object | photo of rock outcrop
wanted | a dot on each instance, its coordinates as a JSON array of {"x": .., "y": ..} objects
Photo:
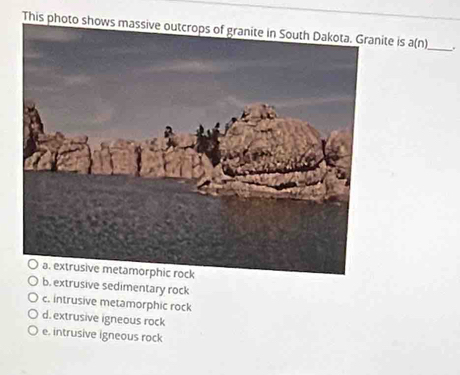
[{"x": 223, "y": 164}]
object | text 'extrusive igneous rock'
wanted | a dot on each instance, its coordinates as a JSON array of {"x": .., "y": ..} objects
[{"x": 259, "y": 155}]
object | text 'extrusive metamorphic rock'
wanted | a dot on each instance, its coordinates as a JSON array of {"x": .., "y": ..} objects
[{"x": 260, "y": 155}]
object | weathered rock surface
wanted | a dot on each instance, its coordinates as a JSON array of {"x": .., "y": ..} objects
[
  {"x": 102, "y": 161},
  {"x": 263, "y": 155},
  {"x": 32, "y": 128},
  {"x": 260, "y": 155},
  {"x": 152, "y": 163},
  {"x": 55, "y": 152},
  {"x": 175, "y": 157},
  {"x": 74, "y": 157},
  {"x": 260, "y": 142},
  {"x": 125, "y": 157}
]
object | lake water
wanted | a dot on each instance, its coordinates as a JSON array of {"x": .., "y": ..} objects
[{"x": 165, "y": 221}]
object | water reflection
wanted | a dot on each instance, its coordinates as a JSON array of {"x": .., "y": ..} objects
[{"x": 117, "y": 217}]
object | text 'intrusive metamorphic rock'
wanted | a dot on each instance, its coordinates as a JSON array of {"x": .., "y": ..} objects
[{"x": 259, "y": 155}]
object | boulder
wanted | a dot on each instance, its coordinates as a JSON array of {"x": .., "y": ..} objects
[
  {"x": 263, "y": 155},
  {"x": 256, "y": 145}
]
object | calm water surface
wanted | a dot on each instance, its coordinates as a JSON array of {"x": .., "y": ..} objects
[{"x": 165, "y": 221}]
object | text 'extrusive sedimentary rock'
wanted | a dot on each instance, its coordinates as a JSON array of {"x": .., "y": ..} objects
[{"x": 259, "y": 155}]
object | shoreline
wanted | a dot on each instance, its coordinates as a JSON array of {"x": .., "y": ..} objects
[{"x": 259, "y": 155}]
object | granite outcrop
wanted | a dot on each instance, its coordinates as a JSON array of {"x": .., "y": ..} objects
[
  {"x": 53, "y": 151},
  {"x": 264, "y": 155},
  {"x": 259, "y": 155}
]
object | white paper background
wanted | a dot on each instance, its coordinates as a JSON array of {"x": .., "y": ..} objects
[
  {"x": 394, "y": 312},
  {"x": 423, "y": 8}
]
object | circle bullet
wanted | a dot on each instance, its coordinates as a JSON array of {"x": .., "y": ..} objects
[
  {"x": 33, "y": 297},
  {"x": 33, "y": 280},
  {"x": 33, "y": 314},
  {"x": 33, "y": 330},
  {"x": 33, "y": 264}
]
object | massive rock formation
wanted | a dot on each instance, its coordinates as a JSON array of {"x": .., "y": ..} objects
[
  {"x": 119, "y": 157},
  {"x": 174, "y": 157},
  {"x": 156, "y": 158},
  {"x": 266, "y": 156},
  {"x": 52, "y": 152},
  {"x": 260, "y": 155},
  {"x": 55, "y": 152}
]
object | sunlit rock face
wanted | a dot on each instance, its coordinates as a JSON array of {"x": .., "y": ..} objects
[
  {"x": 264, "y": 155},
  {"x": 173, "y": 157},
  {"x": 259, "y": 155}
]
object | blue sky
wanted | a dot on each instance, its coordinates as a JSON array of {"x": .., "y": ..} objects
[{"x": 115, "y": 84}]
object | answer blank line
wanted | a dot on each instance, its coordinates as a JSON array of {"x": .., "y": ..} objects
[
  {"x": 441, "y": 49},
  {"x": 313, "y": 10}
]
